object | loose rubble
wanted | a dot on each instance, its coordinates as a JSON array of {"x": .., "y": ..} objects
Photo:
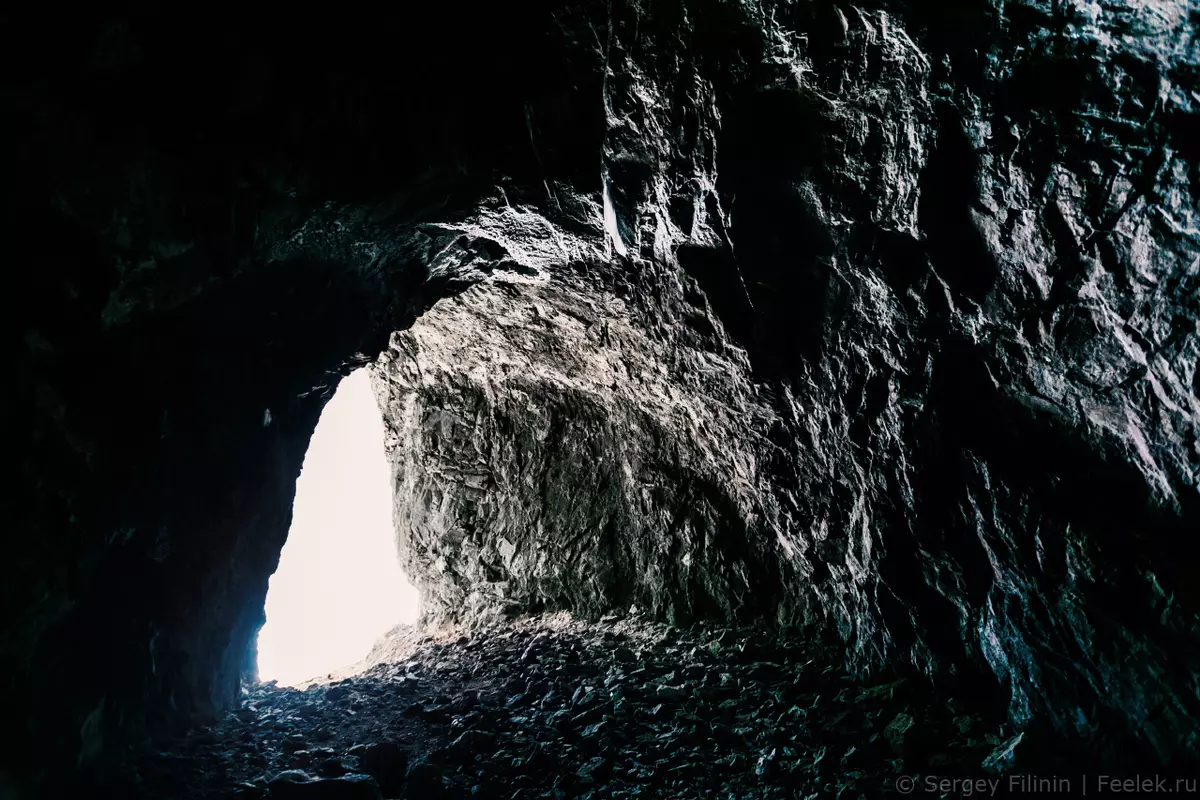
[{"x": 552, "y": 707}]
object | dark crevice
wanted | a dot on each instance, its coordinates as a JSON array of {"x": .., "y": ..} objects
[{"x": 949, "y": 191}]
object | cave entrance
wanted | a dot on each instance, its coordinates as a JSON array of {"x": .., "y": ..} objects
[{"x": 339, "y": 585}]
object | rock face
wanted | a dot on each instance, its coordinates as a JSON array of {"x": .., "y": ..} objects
[
  {"x": 889, "y": 354},
  {"x": 880, "y": 322},
  {"x": 551, "y": 451}
]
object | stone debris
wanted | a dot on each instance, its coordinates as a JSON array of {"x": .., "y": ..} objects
[{"x": 615, "y": 709}]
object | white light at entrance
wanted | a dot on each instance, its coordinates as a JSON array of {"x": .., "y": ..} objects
[{"x": 339, "y": 586}]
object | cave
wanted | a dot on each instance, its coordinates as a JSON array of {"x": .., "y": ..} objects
[
  {"x": 777, "y": 399},
  {"x": 339, "y": 586}
]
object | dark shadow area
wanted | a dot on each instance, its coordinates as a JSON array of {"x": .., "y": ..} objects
[
  {"x": 778, "y": 233},
  {"x": 949, "y": 192},
  {"x": 716, "y": 272},
  {"x": 170, "y": 447},
  {"x": 1062, "y": 495}
]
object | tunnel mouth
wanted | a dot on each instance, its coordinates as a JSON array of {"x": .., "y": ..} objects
[{"x": 339, "y": 586}]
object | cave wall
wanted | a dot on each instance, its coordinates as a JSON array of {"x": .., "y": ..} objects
[
  {"x": 156, "y": 498},
  {"x": 902, "y": 347},
  {"x": 878, "y": 321},
  {"x": 551, "y": 451},
  {"x": 217, "y": 223}
]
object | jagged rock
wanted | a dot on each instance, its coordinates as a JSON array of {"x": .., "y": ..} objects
[
  {"x": 1004, "y": 757},
  {"x": 246, "y": 714},
  {"x": 593, "y": 770}
]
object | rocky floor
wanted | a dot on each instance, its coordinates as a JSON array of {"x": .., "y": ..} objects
[{"x": 551, "y": 707}]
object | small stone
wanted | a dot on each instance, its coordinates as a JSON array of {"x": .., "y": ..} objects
[
  {"x": 296, "y": 785},
  {"x": 765, "y": 765},
  {"x": 765, "y": 672},
  {"x": 292, "y": 776},
  {"x": 246, "y": 714},
  {"x": 423, "y": 780},
  {"x": 333, "y": 768},
  {"x": 1004, "y": 757},
  {"x": 595, "y": 729},
  {"x": 386, "y": 762},
  {"x": 884, "y": 691},
  {"x": 899, "y": 733},
  {"x": 670, "y": 694},
  {"x": 592, "y": 770},
  {"x": 587, "y": 716},
  {"x": 294, "y": 743},
  {"x": 584, "y": 696},
  {"x": 471, "y": 742},
  {"x": 468, "y": 700}
]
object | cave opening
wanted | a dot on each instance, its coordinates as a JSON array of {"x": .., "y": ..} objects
[{"x": 339, "y": 585}]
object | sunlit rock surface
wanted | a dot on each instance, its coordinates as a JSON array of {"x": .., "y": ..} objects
[
  {"x": 876, "y": 321},
  {"x": 549, "y": 450}
]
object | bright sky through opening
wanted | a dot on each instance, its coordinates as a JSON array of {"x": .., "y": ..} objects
[{"x": 339, "y": 586}]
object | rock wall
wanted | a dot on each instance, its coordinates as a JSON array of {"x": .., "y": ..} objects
[
  {"x": 549, "y": 451},
  {"x": 891, "y": 333}
]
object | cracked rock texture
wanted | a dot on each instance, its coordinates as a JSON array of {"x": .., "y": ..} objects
[
  {"x": 902, "y": 346},
  {"x": 879, "y": 322},
  {"x": 550, "y": 450}
]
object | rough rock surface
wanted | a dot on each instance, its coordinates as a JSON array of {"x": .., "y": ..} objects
[
  {"x": 553, "y": 707},
  {"x": 876, "y": 321},
  {"x": 555, "y": 450},
  {"x": 904, "y": 348}
]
